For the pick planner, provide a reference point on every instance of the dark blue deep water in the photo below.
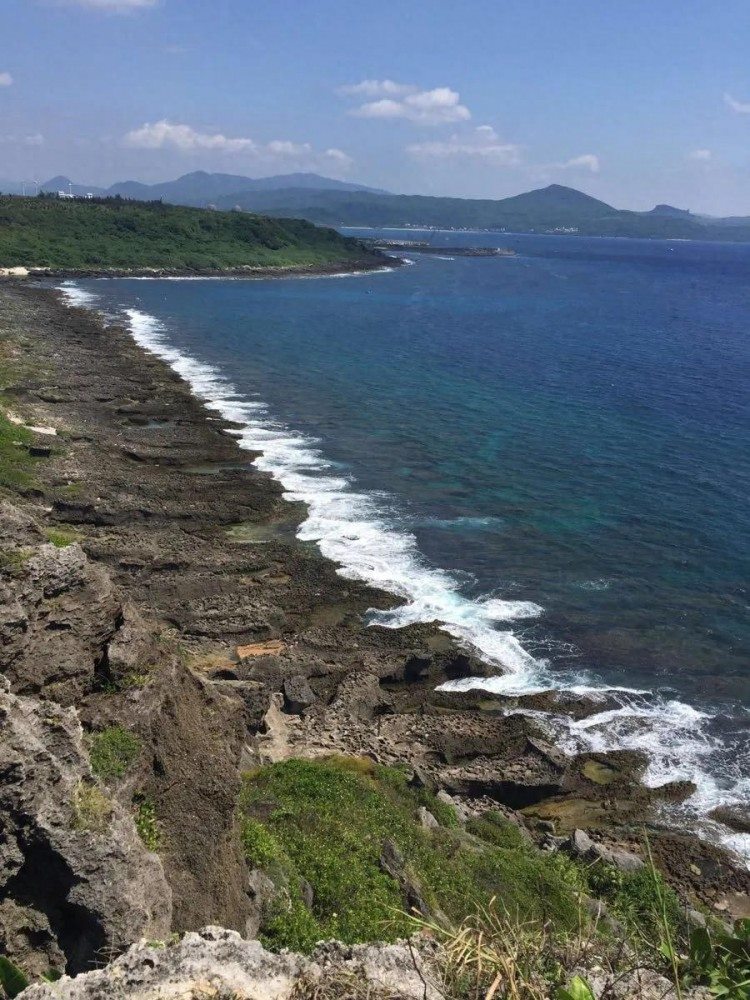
(551, 452)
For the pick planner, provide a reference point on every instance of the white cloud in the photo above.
(165, 135)
(587, 161)
(118, 6)
(5, 79)
(185, 139)
(404, 100)
(741, 107)
(481, 144)
(377, 88)
(338, 156)
(702, 155)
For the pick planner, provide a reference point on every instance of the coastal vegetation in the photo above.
(344, 831)
(146, 822)
(355, 851)
(111, 233)
(16, 440)
(16, 464)
(113, 750)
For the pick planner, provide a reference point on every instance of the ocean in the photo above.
(548, 453)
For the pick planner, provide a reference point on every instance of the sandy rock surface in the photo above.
(217, 963)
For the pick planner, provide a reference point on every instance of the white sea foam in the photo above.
(464, 523)
(76, 296)
(348, 526)
(351, 528)
(257, 277)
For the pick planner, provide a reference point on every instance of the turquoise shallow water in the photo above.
(548, 452)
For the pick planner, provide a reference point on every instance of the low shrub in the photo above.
(146, 822)
(113, 751)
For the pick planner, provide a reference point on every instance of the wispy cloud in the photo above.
(5, 79)
(33, 139)
(438, 106)
(741, 107)
(481, 144)
(701, 155)
(376, 88)
(186, 139)
(587, 161)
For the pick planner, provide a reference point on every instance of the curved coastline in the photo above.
(349, 531)
(373, 263)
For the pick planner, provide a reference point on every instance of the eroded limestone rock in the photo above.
(73, 863)
(217, 962)
(58, 612)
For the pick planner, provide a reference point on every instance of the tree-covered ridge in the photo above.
(552, 209)
(76, 234)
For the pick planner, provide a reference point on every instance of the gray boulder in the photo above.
(426, 820)
(360, 696)
(298, 695)
(583, 846)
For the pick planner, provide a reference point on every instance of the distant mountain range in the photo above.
(323, 200)
(547, 210)
(200, 188)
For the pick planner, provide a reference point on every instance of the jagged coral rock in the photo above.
(59, 611)
(217, 962)
(70, 854)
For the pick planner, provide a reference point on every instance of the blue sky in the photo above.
(633, 101)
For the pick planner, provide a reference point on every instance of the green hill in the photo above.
(550, 209)
(112, 233)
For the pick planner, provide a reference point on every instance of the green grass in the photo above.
(61, 538)
(114, 233)
(16, 465)
(641, 900)
(12, 561)
(325, 822)
(113, 750)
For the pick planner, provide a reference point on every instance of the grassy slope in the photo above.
(16, 464)
(47, 232)
(325, 823)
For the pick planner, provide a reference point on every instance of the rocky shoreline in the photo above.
(151, 575)
(373, 262)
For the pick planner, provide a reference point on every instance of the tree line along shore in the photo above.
(47, 233)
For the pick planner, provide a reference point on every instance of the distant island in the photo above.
(115, 235)
(555, 209)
